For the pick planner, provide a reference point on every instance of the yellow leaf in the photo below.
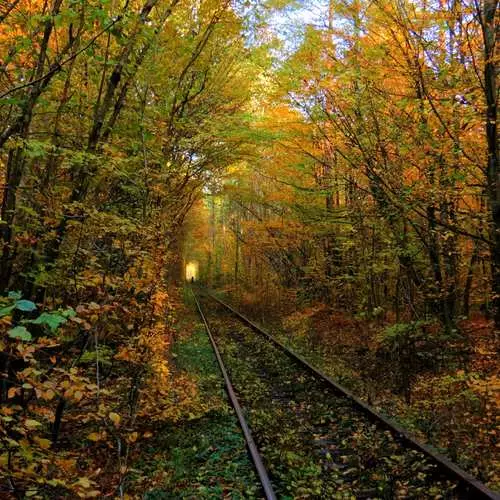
(94, 436)
(115, 418)
(44, 443)
(32, 424)
(12, 392)
(133, 437)
(84, 482)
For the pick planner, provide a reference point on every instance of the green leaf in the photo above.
(5, 311)
(25, 305)
(52, 320)
(10, 100)
(69, 313)
(19, 332)
(14, 295)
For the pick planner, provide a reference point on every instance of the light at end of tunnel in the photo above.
(192, 271)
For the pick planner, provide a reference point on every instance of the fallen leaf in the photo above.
(115, 418)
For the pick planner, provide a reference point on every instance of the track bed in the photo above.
(314, 442)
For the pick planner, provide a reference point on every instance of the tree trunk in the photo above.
(468, 281)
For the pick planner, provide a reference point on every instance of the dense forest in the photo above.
(331, 167)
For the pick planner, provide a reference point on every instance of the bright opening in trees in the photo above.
(192, 271)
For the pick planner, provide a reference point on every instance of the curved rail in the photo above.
(252, 447)
(475, 488)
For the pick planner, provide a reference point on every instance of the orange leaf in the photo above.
(12, 392)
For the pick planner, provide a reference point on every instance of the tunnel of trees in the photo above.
(331, 166)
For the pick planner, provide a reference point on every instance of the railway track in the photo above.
(311, 438)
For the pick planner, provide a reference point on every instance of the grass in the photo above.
(202, 456)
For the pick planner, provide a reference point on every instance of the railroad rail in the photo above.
(252, 447)
(470, 487)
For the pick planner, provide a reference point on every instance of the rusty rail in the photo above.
(474, 488)
(252, 447)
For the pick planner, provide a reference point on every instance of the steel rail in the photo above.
(473, 486)
(252, 447)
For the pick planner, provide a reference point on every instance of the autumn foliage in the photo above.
(342, 178)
